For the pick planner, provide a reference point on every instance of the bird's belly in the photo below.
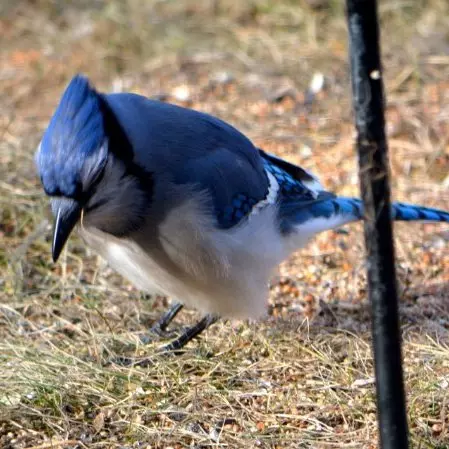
(214, 271)
(239, 294)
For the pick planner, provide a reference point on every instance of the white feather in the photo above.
(272, 195)
(305, 231)
(215, 271)
(314, 184)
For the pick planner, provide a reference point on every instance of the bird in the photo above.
(181, 203)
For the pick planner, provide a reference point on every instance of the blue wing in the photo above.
(300, 195)
(194, 148)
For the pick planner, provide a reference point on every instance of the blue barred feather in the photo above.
(352, 208)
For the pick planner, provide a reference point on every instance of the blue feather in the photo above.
(409, 212)
(193, 148)
(351, 209)
(75, 132)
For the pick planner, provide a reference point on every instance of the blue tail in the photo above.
(330, 213)
(409, 212)
(399, 211)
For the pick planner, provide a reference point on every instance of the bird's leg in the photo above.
(160, 327)
(164, 321)
(191, 332)
(176, 345)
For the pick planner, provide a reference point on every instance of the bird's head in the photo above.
(80, 171)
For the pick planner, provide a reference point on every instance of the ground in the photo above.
(302, 377)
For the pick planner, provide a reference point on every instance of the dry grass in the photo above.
(303, 377)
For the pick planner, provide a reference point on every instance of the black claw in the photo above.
(156, 333)
(168, 317)
(190, 333)
(176, 346)
(159, 329)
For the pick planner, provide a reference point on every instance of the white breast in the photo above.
(215, 271)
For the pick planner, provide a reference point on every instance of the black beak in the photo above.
(67, 215)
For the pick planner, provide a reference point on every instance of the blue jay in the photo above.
(182, 203)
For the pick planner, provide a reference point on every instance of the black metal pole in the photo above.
(368, 102)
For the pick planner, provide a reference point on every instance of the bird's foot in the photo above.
(159, 329)
(175, 347)
(157, 333)
(189, 334)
